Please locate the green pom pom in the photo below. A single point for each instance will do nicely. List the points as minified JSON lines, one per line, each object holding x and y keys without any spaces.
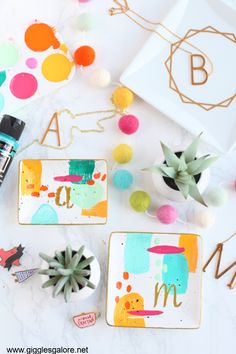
{"x":217,"y":197}
{"x":85,"y":22}
{"x":140,"y":201}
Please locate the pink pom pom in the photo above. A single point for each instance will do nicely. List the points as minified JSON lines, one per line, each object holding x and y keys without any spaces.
{"x":128,"y":124}
{"x":167,"y":214}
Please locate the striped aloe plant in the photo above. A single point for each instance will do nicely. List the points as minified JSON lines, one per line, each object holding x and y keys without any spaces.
{"x":183,"y":169}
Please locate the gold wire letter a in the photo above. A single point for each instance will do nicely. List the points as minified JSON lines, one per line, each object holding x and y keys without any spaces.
{"x":49,"y":129}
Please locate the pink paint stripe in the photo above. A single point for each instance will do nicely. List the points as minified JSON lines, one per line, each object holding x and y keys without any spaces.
{"x":145,"y":313}
{"x":166,"y":249}
{"x":68,"y":178}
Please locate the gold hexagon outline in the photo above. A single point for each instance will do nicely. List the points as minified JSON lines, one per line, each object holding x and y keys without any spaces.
{"x":175,"y":46}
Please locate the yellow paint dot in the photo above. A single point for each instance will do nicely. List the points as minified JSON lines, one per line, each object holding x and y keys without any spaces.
{"x":64,"y":48}
{"x":56,"y":67}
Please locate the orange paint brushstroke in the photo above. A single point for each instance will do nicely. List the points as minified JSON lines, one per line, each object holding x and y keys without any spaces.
{"x":104,"y":177}
{"x":190,"y":244}
{"x":40,"y":37}
{"x":31,"y":171}
{"x":97,"y":175}
{"x":99,"y":210}
{"x":91,"y":182}
{"x":129,"y":288}
{"x":35,"y":194}
{"x":51,"y":195}
{"x":43,"y":188}
{"x":119,"y":285}
{"x":122,"y":318}
{"x":117,"y":299}
{"x":126,"y":275}
{"x":127,"y":305}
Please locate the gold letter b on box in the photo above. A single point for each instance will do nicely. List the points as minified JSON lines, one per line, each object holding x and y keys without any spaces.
{"x":198,"y":67}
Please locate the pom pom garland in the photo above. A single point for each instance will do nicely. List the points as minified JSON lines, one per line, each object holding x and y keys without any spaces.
{"x":202,"y":218}
{"x":122,"y":179}
{"x":84,"y":55}
{"x":140,"y":201}
{"x":85,"y":22}
{"x":122,"y":97}
{"x":128,"y":124}
{"x":123,"y":153}
{"x":167,"y":214}
{"x":100,"y":78}
{"x":217,"y":197}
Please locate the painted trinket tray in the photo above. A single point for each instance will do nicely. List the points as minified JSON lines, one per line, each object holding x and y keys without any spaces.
{"x":67,"y":192}
{"x":154,"y":280}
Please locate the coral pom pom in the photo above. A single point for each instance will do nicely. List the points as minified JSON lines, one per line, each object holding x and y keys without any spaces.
{"x":122,"y":97}
{"x":123,"y":153}
{"x":84,"y":55}
{"x":167,"y":214}
{"x":128,"y":124}
{"x":140,"y":201}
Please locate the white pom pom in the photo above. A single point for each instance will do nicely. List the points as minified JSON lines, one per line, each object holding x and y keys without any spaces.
{"x":100,"y":78}
{"x":217,"y":197}
{"x":202,"y":218}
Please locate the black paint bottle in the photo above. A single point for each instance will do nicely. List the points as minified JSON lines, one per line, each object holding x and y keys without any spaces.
{"x":11,"y":129}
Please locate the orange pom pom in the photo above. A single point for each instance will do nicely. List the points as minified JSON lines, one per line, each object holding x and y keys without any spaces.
{"x":84,"y":55}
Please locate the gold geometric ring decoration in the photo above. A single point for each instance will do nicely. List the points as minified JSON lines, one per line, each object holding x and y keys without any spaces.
{"x":169,"y":65}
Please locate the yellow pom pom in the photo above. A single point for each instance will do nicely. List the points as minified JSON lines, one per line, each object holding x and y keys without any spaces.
{"x":122,"y":153}
{"x":122,"y":97}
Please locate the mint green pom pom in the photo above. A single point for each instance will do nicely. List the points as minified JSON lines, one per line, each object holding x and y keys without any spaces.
{"x":85,"y":22}
{"x":217,"y":197}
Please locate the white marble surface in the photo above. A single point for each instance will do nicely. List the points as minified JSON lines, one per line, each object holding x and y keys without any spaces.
{"x":29,"y":317}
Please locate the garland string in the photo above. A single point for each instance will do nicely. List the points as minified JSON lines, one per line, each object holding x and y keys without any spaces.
{"x":229,"y":238}
{"x":100,"y":128}
{"x":125,"y":10}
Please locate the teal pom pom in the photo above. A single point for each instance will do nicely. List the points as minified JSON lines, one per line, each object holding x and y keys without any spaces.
{"x":122,"y":179}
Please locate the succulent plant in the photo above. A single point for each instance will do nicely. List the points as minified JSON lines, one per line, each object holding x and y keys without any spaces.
{"x":184,"y":169}
{"x":68,"y":272}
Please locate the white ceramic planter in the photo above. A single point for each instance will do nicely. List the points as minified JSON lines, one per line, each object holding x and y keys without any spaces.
{"x":85,"y":292}
{"x":174,"y":195}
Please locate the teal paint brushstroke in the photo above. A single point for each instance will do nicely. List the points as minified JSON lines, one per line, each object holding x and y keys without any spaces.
{"x":2,"y":77}
{"x":137,"y":258}
{"x":177,"y":272}
{"x":86,"y":196}
{"x":45,"y":215}
{"x":84,"y":168}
